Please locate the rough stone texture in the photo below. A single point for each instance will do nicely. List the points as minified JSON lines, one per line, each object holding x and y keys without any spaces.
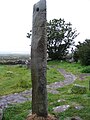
{"x":78,"y":89}
{"x":5,"y":101}
{"x":39,"y":60}
{"x":1,"y":114}
{"x":79,"y":107}
{"x":61,"y":108}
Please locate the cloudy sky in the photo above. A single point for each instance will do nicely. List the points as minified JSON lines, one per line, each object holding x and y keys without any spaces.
{"x":16,"y":21}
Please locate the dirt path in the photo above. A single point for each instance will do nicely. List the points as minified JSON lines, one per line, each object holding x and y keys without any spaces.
{"x":26,"y":95}
{"x":69,"y":79}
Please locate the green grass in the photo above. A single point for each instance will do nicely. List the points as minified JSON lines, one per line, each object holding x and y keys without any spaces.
{"x":86,"y":69}
{"x":17,"y":112}
{"x":53,"y":75}
{"x":14,"y":79}
{"x":20,"y":111}
{"x":75,"y":68}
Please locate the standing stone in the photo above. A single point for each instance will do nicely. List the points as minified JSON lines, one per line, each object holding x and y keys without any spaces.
{"x":39,"y":60}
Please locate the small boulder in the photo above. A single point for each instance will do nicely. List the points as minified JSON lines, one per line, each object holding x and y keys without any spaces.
{"x":78,"y":89}
{"x":62,"y":108}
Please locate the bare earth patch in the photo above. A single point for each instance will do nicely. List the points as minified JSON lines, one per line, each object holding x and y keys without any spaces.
{"x":35,"y":117}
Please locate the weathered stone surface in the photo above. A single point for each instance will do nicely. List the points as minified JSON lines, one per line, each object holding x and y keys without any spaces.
{"x":39,"y":60}
{"x":79,"y":107}
{"x":78,"y":89}
{"x":61,"y":108}
{"x":5,"y":101}
{"x":1,"y":114}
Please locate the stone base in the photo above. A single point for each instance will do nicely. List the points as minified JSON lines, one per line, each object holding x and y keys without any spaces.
{"x":35,"y":117}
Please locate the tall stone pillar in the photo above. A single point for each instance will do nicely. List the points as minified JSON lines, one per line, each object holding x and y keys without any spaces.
{"x":39,"y":60}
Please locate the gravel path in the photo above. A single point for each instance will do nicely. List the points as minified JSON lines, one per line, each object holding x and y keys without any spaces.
{"x":83,"y":75}
{"x":26,"y":95}
{"x":69,"y":79}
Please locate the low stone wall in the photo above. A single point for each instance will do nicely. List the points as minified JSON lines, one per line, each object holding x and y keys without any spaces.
{"x":12,"y":62}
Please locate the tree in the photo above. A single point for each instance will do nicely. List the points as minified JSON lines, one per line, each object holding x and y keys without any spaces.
{"x":60,"y":36}
{"x":83,"y":51}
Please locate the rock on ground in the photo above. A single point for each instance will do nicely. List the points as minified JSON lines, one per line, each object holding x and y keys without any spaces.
{"x":78,"y":89}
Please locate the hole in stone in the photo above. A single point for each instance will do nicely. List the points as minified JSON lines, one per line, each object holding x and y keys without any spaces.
{"x":37,"y":9}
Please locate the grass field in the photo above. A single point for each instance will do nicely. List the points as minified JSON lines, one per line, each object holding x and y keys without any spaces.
{"x":14,"y":78}
{"x":18,"y":78}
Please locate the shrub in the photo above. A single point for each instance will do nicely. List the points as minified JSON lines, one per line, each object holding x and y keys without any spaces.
{"x":86,"y":70}
{"x":83,"y":50}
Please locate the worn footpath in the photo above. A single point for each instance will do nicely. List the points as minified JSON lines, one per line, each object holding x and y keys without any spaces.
{"x":21,"y":97}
